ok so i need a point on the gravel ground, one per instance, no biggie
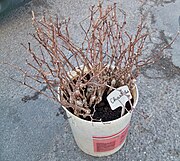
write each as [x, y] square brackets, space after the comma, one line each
[31, 131]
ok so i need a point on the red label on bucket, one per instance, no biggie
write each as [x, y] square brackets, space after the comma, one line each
[108, 143]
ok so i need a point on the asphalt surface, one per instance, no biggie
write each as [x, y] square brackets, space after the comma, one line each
[30, 129]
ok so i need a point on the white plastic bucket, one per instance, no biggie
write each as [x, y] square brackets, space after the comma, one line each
[101, 138]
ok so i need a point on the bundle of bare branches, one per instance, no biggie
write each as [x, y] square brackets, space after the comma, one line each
[109, 57]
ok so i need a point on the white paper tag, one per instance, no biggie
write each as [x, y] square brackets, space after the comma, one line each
[119, 97]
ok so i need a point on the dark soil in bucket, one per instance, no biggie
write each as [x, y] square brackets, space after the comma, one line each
[103, 111]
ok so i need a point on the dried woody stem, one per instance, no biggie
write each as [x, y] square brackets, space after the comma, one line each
[108, 58]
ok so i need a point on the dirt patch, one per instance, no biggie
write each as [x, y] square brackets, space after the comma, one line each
[35, 96]
[165, 66]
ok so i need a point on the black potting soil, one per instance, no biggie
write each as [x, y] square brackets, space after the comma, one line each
[103, 111]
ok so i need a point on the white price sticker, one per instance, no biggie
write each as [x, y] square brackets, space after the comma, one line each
[119, 97]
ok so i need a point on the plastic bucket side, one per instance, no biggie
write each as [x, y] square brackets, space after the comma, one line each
[101, 138]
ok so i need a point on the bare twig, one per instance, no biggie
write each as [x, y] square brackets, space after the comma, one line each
[109, 57]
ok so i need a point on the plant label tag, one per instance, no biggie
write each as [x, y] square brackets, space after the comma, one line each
[119, 97]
